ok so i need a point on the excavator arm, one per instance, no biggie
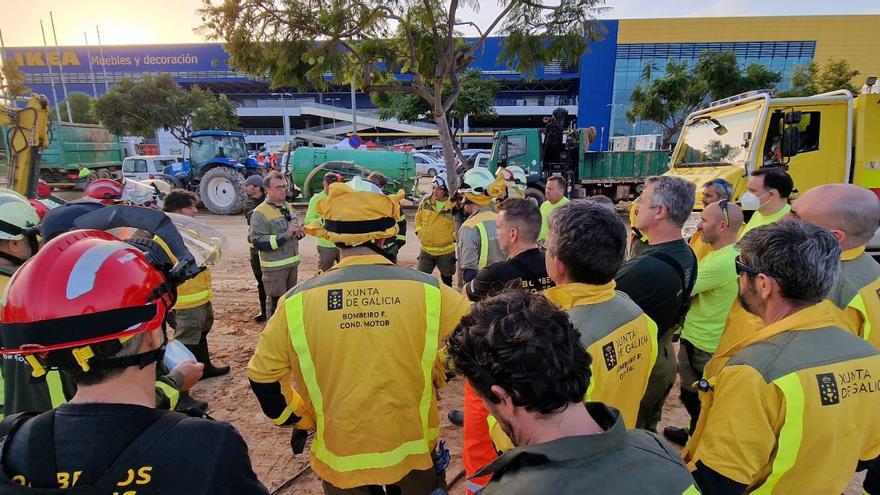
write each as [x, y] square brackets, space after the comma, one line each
[27, 135]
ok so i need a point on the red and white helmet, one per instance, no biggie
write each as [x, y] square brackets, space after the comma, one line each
[102, 289]
[107, 191]
[39, 207]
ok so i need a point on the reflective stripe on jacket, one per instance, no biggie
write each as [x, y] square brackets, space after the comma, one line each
[435, 229]
[856, 293]
[794, 409]
[375, 412]
[478, 241]
[268, 234]
[195, 292]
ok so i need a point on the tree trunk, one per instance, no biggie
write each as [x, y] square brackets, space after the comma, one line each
[448, 148]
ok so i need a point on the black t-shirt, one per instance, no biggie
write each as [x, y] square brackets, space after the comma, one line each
[196, 456]
[527, 267]
[655, 285]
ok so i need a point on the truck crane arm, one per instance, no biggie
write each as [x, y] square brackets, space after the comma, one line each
[27, 135]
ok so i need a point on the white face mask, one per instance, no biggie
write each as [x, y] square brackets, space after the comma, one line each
[751, 202]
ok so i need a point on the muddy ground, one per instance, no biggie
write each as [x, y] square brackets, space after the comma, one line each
[234, 338]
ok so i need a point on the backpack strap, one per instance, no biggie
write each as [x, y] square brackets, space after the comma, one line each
[124, 461]
[687, 286]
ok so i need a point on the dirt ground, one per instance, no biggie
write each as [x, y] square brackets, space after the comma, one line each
[233, 340]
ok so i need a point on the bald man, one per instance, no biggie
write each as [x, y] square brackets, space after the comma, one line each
[852, 214]
[713, 295]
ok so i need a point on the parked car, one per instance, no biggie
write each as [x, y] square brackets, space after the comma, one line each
[145, 167]
[426, 165]
[479, 159]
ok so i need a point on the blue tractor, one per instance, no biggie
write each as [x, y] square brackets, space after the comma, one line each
[217, 167]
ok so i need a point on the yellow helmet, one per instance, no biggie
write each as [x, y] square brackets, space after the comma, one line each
[356, 212]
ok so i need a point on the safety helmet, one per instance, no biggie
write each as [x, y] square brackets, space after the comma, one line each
[479, 186]
[107, 191]
[476, 180]
[18, 221]
[39, 207]
[103, 292]
[516, 183]
[439, 182]
[362, 185]
[43, 189]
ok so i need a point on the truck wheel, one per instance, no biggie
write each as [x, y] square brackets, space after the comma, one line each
[534, 192]
[222, 191]
[104, 174]
[432, 172]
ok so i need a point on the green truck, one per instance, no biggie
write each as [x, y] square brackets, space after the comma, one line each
[307, 165]
[72, 144]
[558, 150]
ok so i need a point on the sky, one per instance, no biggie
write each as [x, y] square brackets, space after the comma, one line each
[172, 21]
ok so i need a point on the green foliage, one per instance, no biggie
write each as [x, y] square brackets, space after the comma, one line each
[141, 107]
[82, 108]
[12, 80]
[668, 99]
[811, 79]
[476, 99]
[294, 43]
[214, 112]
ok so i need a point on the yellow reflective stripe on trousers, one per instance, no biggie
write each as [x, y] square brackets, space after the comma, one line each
[484, 246]
[858, 304]
[172, 393]
[198, 296]
[437, 251]
[791, 435]
[273, 241]
[56, 390]
[371, 460]
[275, 264]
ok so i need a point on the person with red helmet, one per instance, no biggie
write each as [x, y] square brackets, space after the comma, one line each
[103, 321]
[107, 191]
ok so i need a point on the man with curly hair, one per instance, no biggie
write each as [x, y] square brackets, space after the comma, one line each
[524, 359]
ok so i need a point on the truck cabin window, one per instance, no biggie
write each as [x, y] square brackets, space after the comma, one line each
[808, 130]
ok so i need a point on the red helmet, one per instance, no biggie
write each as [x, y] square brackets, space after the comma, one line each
[107, 191]
[43, 189]
[102, 289]
[40, 208]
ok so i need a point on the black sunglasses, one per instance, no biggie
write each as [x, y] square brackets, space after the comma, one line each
[743, 268]
[723, 205]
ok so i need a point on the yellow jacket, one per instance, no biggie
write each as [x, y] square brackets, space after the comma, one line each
[619, 336]
[857, 294]
[436, 229]
[794, 409]
[195, 292]
[354, 351]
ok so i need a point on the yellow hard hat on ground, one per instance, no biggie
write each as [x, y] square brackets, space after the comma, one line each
[356, 212]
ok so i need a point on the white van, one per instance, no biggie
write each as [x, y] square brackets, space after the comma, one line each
[145, 167]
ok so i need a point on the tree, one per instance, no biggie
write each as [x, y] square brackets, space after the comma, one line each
[368, 42]
[141, 107]
[811, 79]
[214, 112]
[82, 107]
[12, 80]
[668, 100]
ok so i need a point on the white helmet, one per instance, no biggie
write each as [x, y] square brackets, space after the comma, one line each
[519, 178]
[359, 184]
[477, 181]
[17, 217]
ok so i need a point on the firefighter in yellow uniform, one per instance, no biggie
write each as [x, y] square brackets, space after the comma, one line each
[795, 409]
[352, 353]
[435, 227]
[478, 235]
[585, 246]
[851, 213]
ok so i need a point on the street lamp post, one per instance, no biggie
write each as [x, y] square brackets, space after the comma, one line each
[333, 114]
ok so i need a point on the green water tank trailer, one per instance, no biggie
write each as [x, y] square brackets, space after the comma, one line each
[398, 168]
